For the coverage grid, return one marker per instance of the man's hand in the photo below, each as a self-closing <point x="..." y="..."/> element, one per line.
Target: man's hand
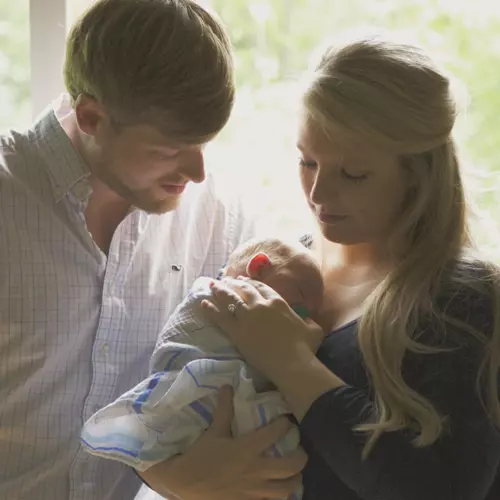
<point x="220" y="467"/>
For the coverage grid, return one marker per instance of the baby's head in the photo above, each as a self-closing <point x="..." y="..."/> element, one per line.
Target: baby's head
<point x="289" y="268"/>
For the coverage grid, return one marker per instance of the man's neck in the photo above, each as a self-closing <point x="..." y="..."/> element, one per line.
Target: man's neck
<point x="105" y="209"/>
<point x="102" y="196"/>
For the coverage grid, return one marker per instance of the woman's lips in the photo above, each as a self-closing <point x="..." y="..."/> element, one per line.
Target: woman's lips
<point x="331" y="218"/>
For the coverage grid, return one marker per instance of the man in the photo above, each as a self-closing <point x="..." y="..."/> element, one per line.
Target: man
<point x="105" y="221"/>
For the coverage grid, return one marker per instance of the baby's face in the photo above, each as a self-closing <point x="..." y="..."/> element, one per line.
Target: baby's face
<point x="299" y="282"/>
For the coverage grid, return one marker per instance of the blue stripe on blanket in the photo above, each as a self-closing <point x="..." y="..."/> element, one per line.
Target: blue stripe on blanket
<point x="202" y="411"/>
<point x="143" y="396"/>
<point x="122" y="451"/>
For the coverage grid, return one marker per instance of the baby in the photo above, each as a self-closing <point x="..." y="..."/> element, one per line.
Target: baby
<point x="164" y="414"/>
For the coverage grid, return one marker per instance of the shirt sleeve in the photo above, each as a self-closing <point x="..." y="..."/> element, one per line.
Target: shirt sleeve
<point x="461" y="465"/>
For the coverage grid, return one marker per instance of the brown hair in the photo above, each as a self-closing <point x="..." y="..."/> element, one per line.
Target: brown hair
<point x="165" y="63"/>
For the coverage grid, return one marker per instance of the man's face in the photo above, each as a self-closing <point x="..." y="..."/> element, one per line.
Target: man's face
<point x="139" y="163"/>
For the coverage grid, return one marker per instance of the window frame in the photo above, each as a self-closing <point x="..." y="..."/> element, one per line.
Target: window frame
<point x="48" y="29"/>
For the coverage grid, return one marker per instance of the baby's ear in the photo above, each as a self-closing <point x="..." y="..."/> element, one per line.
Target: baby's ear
<point x="257" y="264"/>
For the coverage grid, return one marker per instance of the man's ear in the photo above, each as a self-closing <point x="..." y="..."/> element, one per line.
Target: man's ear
<point x="257" y="265"/>
<point x="90" y="115"/>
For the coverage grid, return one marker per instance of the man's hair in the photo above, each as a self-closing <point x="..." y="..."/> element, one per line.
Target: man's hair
<point x="165" y="63"/>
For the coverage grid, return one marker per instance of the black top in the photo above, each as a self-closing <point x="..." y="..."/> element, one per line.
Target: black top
<point x="463" y="463"/>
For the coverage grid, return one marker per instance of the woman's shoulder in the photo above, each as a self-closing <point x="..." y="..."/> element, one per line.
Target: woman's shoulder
<point x="468" y="290"/>
<point x="465" y="304"/>
<point x="461" y="327"/>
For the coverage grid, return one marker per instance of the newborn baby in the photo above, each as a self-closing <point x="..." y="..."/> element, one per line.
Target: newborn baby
<point x="164" y="414"/>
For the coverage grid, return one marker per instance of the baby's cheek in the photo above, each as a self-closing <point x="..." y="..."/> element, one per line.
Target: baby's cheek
<point x="282" y="288"/>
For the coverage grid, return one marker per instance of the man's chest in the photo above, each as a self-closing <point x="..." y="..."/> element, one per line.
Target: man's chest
<point x="67" y="311"/>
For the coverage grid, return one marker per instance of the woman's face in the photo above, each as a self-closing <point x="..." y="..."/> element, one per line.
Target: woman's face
<point x="355" y="191"/>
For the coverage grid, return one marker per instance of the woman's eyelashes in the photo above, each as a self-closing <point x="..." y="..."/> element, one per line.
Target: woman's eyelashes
<point x="354" y="177"/>
<point x="347" y="175"/>
<point x="307" y="164"/>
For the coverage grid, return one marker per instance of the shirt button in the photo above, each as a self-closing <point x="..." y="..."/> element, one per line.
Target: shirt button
<point x="105" y="348"/>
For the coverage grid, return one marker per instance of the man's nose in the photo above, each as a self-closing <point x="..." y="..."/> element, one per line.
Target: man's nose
<point x="193" y="166"/>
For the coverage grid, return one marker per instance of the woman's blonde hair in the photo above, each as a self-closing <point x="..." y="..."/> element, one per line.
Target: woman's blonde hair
<point x="393" y="95"/>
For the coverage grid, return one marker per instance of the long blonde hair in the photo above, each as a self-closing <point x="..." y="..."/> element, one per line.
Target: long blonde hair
<point x="393" y="95"/>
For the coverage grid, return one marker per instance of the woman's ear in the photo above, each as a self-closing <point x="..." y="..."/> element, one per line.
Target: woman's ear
<point x="257" y="265"/>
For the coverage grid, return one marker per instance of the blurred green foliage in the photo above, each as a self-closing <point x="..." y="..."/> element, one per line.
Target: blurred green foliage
<point x="273" y="41"/>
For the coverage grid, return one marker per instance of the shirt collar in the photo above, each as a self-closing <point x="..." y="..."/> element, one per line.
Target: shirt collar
<point x="67" y="170"/>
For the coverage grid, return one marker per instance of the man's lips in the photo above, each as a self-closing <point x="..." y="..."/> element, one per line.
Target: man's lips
<point x="173" y="188"/>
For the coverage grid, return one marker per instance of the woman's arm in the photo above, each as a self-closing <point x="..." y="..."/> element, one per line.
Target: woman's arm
<point x="302" y="379"/>
<point x="461" y="467"/>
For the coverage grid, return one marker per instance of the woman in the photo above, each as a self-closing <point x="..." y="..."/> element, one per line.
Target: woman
<point x="402" y="401"/>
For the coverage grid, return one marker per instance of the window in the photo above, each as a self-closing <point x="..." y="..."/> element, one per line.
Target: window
<point x="15" y="91"/>
<point x="273" y="39"/>
<point x="74" y="8"/>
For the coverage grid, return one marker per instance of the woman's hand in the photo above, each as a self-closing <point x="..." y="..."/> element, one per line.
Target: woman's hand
<point x="264" y="328"/>
<point x="220" y="467"/>
<point x="274" y="340"/>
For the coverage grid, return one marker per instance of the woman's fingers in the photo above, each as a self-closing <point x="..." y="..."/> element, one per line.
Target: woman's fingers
<point x="226" y="299"/>
<point x="244" y="288"/>
<point x="262" y="290"/>
<point x="250" y="291"/>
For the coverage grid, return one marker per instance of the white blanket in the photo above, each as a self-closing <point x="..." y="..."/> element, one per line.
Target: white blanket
<point x="164" y="414"/>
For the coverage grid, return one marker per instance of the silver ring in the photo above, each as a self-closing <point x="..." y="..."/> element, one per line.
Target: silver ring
<point x="232" y="309"/>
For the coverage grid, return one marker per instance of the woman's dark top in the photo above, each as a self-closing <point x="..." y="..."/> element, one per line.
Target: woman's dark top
<point x="463" y="463"/>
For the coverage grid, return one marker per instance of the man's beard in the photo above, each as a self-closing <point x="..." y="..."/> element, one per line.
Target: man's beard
<point x="143" y="200"/>
<point x="138" y="198"/>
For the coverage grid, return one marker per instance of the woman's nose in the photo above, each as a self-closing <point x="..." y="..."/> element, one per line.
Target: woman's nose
<point x="325" y="188"/>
